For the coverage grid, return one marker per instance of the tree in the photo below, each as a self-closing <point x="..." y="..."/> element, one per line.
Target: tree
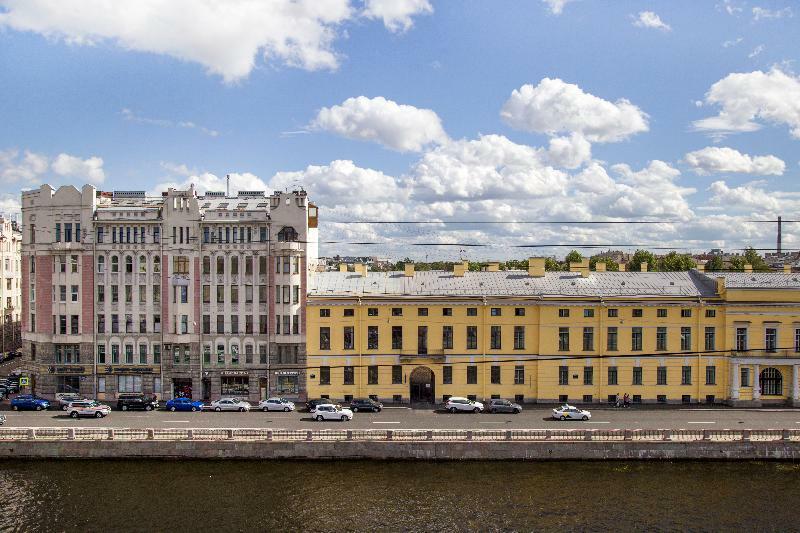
<point x="759" y="265"/>
<point x="642" y="256"/>
<point x="611" y="265"/>
<point x="715" y="264"/>
<point x="573" y="257"/>
<point x="551" y="265"/>
<point x="675" y="262"/>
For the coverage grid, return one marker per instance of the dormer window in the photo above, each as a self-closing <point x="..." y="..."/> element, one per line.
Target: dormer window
<point x="287" y="234"/>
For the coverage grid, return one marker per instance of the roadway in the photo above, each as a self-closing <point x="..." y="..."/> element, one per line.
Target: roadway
<point x="403" y="418"/>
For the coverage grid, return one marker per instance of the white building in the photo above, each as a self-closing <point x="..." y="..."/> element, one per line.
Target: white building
<point x="180" y="294"/>
<point x="10" y="299"/>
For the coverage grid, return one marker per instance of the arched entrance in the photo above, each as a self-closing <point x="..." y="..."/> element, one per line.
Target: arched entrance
<point x="771" y="381"/>
<point x="423" y="385"/>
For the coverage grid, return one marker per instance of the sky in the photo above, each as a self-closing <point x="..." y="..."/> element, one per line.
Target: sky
<point x="471" y="116"/>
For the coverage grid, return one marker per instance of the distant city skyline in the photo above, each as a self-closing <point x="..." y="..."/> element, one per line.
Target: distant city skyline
<point x="417" y="110"/>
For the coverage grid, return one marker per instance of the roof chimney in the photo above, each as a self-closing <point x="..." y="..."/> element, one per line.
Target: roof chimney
<point x="748" y="267"/>
<point x="622" y="267"/>
<point x="228" y="185"/>
<point x="600" y="266"/>
<point x="720" y="285"/>
<point x="787" y="268"/>
<point x="458" y="270"/>
<point x="408" y="270"/>
<point x="701" y="267"/>
<point x="494" y="266"/>
<point x="643" y="266"/>
<point x="342" y="267"/>
<point x="536" y="267"/>
<point x="361" y="269"/>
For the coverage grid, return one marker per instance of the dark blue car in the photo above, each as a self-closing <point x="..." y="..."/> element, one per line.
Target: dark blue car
<point x="184" y="404"/>
<point x="30" y="402"/>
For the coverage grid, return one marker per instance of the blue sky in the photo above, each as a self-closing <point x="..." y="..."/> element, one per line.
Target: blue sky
<point x="681" y="111"/>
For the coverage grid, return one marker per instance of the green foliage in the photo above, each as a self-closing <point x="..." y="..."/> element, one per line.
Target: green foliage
<point x="642" y="256"/>
<point x="759" y="265"/>
<point x="675" y="262"/>
<point x="573" y="257"/>
<point x="611" y="265"/>
<point x="715" y="264"/>
<point x="551" y="265"/>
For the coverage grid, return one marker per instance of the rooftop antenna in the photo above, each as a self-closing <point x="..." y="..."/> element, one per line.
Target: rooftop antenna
<point x="228" y="185"/>
<point x="779" y="235"/>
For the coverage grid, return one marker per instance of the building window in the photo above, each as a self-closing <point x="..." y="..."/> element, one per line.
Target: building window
<point x="563" y="339"/>
<point x="372" y="337"/>
<point x="324" y="313"/>
<point x="686" y="313"/>
<point x="588" y="339"/>
<point x="519" y="337"/>
<point x="613" y="313"/>
<point x="495" y="311"/>
<point x="686" y="375"/>
<point x="472" y="375"/>
<point x="741" y="339"/>
<point x="611" y="340"/>
<point x="422" y="339"/>
<point x="397" y="374"/>
<point x="372" y="311"/>
<point x="447" y="375"/>
<point x="563" y="313"/>
<point x="563" y="375"/>
<point x="745" y="377"/>
<point x="771" y="340"/>
<point x="447" y="311"/>
<point x="472" y="337"/>
<point x="180" y="265"/>
<point x="661" y="338"/>
<point x="661" y="375"/>
<point x="588" y="313"/>
<point x="324" y="338"/>
<point x="397" y="337"/>
<point x="636" y="313"/>
<point x="348" y="338"/>
<point x="686" y="338"/>
<point x="422" y="311"/>
<point x="519" y="375"/>
<point x="101" y="354"/>
<point x="710" y="339"/>
<point x="588" y="375"/>
<point x="519" y="311"/>
<point x="661" y="313"/>
<point x="637" y="375"/>
<point x="771" y="382"/>
<point x="349" y="375"/>
<point x="612" y="375"/>
<point x="101" y="264"/>
<point x="348" y="312"/>
<point x="797" y="340"/>
<point x="447" y="337"/>
<point x="711" y="375"/>
<point x="636" y="339"/>
<point x="472" y="311"/>
<point x="495" y="374"/>
<point x="324" y="375"/>
<point x="372" y="375"/>
<point x="496" y="338"/>
<point x="711" y="313"/>
<point x="397" y="311"/>
<point x="129" y="383"/>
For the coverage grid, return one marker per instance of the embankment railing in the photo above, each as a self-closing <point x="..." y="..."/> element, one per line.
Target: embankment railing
<point x="398" y="435"/>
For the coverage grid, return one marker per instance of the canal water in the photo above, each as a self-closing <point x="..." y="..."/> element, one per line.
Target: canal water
<point x="393" y="496"/>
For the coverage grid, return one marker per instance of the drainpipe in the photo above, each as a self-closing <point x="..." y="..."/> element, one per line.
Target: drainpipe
<point x="483" y="346"/>
<point x="360" y="348"/>
<point x="94" y="319"/>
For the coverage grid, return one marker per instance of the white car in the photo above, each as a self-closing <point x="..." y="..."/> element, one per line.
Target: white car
<point x="88" y="408"/>
<point x="457" y="403"/>
<point x="328" y="411"/>
<point x="230" y="404"/>
<point x="570" y="412"/>
<point x="276" y="404"/>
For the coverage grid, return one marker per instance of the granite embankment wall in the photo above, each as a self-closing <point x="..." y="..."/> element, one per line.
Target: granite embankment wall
<point x="699" y="450"/>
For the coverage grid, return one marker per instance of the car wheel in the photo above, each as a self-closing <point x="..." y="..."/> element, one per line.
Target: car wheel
<point x="98" y="414"/>
<point x="124" y="407"/>
<point x="241" y="409"/>
<point x="286" y="409"/>
<point x="194" y="409"/>
<point x="585" y="418"/>
<point x="452" y="410"/>
<point x="15" y="407"/>
<point x="265" y="408"/>
<point x="38" y="407"/>
<point x="355" y="409"/>
<point x="563" y="418"/>
<point x="172" y="408"/>
<point x="64" y="407"/>
<point x="74" y="414"/>
<point x="494" y="411"/>
<point x="148" y="407"/>
<point x="217" y="409"/>
<point x="344" y="418"/>
<point x="319" y="418"/>
<point x="476" y="410"/>
<point x="516" y="411"/>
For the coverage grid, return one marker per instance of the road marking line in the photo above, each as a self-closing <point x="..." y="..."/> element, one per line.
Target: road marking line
<point x="701" y="422"/>
<point x="180" y="421"/>
<point x="598" y="422"/>
<point x="504" y="422"/>
<point x="386" y="422"/>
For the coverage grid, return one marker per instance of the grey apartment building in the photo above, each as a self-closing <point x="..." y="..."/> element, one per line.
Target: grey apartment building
<point x="178" y="295"/>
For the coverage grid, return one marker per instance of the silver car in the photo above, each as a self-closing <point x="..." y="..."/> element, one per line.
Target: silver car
<point x="230" y="404"/>
<point x="276" y="404"/>
<point x="570" y="412"/>
<point x="64" y="399"/>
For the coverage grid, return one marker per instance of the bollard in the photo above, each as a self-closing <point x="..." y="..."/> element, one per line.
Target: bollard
<point x="230" y="434"/>
<point x="508" y="434"/>
<point x="548" y="435"/>
<point x="587" y="434"/>
<point x="31" y="433"/>
<point x="746" y="435"/>
<point x="110" y="434"/>
<point x="469" y="435"/>
<point x="190" y="434"/>
<point x="785" y="435"/>
<point x="429" y="435"/>
<point x="389" y="434"/>
<point x="308" y="435"/>
<point x="667" y="435"/>
<point x="349" y="434"/>
<point x="269" y="434"/>
<point x="627" y="434"/>
<point x="71" y="433"/>
<point x="151" y="434"/>
<point x="706" y="434"/>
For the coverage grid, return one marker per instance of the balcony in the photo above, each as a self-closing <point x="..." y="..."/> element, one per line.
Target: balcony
<point x="412" y="356"/>
<point x="768" y="354"/>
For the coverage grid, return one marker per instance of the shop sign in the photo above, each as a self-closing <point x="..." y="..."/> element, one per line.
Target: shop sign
<point x="131" y="369"/>
<point x="179" y="280"/>
<point x="234" y="372"/>
<point x="66" y="369"/>
<point x="287" y="373"/>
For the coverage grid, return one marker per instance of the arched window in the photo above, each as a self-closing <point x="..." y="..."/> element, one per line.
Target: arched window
<point x="142" y="264"/>
<point x="206" y="264"/>
<point x="101" y="264"/>
<point x="220" y="265"/>
<point x="128" y="264"/>
<point x="157" y="264"/>
<point x="235" y="264"/>
<point x="287" y="233"/>
<point x="771" y="382"/>
<point x="114" y="264"/>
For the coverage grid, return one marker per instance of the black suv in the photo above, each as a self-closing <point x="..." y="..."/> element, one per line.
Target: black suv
<point x="137" y="401"/>
<point x="365" y="404"/>
<point x="312" y="404"/>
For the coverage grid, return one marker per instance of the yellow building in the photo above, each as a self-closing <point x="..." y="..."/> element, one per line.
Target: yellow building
<point x="534" y="336"/>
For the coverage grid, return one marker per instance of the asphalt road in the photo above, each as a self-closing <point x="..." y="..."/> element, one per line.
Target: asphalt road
<point x="404" y="418"/>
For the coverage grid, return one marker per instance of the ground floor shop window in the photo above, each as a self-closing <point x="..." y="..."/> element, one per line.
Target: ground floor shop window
<point x="235" y="386"/>
<point x="101" y="385"/>
<point x="288" y="384"/>
<point x="157" y="386"/>
<point x="182" y="388"/>
<point x="129" y="383"/>
<point x="68" y="384"/>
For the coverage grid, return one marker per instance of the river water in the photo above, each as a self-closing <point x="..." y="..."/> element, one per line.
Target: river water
<point x="411" y="496"/>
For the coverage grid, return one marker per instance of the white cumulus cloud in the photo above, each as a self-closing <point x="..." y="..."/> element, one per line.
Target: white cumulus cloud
<point x="90" y="170"/>
<point x="747" y="98"/>
<point x="400" y="127"/>
<point x="397" y="15"/>
<point x="763" y="13"/>
<point x="648" y="19"/>
<point x="723" y="159"/>
<point x="556" y="7"/>
<point x="31" y="168"/>
<point x="569" y="152"/>
<point x="554" y="106"/>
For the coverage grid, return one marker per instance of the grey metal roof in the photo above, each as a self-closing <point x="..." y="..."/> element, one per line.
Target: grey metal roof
<point x="510" y="283"/>
<point x="759" y="280"/>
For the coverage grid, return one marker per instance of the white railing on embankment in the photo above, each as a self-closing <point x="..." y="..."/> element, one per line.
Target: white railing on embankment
<point x="397" y="435"/>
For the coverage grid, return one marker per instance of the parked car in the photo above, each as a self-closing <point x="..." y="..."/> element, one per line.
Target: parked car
<point x="137" y="401"/>
<point x="88" y="408"/>
<point x="65" y="398"/>
<point x="276" y="404"/>
<point x="184" y="404"/>
<point x="570" y="412"/>
<point x="457" y="403"/>
<point x="2" y="419"/>
<point x="329" y="411"/>
<point x="30" y="402"/>
<point x="366" y="404"/>
<point x="230" y="404"/>
<point x="312" y="404"/>
<point x="499" y="405"/>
